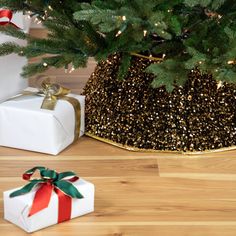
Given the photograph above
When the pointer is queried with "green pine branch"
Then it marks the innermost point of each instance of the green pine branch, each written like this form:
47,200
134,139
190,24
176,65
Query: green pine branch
190,33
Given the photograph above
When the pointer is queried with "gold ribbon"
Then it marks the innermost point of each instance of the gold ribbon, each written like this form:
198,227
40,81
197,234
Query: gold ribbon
53,92
146,57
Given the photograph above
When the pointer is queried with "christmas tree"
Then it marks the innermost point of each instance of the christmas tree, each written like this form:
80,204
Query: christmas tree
180,34
166,72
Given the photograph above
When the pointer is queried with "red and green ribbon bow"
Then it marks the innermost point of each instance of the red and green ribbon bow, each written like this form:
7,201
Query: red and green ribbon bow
60,183
5,13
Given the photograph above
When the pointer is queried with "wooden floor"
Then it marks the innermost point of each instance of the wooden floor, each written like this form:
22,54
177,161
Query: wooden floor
137,194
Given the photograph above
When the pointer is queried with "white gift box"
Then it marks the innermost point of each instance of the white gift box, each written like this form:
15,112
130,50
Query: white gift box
16,210
24,125
11,82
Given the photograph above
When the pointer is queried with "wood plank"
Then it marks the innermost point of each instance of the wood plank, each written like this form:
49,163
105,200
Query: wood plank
131,205
85,168
220,163
214,229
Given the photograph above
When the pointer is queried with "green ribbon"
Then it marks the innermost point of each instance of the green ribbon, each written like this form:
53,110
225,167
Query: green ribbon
62,181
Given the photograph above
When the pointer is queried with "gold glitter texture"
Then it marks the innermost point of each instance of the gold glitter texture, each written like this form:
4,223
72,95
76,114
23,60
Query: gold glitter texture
197,117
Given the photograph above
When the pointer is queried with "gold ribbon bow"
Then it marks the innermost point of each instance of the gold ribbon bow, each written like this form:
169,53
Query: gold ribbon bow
53,92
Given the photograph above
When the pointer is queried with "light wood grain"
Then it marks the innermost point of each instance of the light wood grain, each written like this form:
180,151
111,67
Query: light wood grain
137,194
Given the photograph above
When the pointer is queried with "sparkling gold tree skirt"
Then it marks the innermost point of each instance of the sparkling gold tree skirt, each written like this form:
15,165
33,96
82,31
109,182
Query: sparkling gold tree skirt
198,117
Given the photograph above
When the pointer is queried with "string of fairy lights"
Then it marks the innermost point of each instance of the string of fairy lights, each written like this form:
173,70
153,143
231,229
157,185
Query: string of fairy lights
38,19
210,14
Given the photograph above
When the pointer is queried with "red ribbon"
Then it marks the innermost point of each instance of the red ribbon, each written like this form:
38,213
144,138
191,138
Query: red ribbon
7,14
64,206
43,195
42,198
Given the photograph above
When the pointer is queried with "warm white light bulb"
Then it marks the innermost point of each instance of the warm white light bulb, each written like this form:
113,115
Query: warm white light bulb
118,33
38,21
72,69
219,84
231,62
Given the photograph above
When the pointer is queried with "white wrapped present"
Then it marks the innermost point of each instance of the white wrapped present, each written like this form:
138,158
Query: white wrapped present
24,125
11,82
17,209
